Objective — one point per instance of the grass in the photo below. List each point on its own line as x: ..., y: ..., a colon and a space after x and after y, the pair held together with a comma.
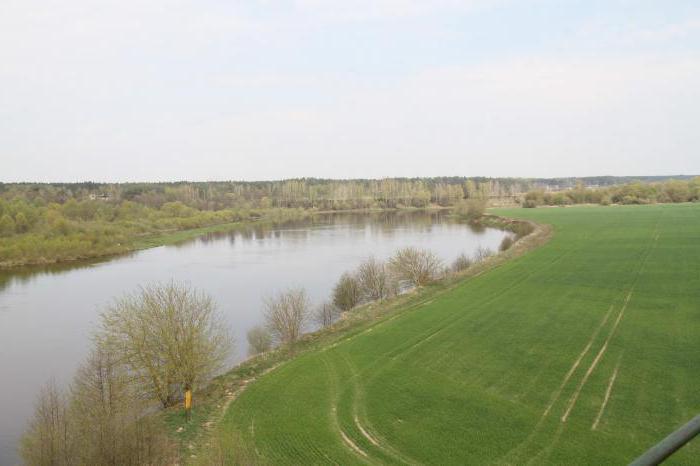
x: 601, y: 323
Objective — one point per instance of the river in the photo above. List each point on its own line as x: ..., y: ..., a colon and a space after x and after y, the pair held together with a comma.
x: 47, y: 314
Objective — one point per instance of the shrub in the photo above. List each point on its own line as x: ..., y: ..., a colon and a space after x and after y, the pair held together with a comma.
x: 347, y: 292
x: 259, y: 340
x: 462, y: 262
x: 506, y: 243
x: 482, y: 253
x: 326, y: 313
x: 416, y: 267
x: 286, y: 315
x: 471, y: 209
x: 374, y: 280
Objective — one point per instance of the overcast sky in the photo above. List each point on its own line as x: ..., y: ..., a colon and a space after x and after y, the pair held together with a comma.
x: 125, y: 90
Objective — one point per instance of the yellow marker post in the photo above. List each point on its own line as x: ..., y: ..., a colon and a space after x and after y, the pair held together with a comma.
x: 188, y: 402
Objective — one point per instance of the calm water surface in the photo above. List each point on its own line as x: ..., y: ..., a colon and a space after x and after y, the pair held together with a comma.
x: 46, y: 316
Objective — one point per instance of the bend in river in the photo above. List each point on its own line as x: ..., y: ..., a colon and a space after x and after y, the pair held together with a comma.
x: 46, y: 315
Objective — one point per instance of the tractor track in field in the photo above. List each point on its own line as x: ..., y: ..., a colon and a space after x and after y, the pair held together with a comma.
x: 653, y: 240
x: 370, y: 434
x: 599, y: 356
x: 345, y: 439
x: 608, y: 391
x: 576, y: 363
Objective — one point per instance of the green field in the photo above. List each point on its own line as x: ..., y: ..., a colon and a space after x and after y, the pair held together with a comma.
x: 584, y: 351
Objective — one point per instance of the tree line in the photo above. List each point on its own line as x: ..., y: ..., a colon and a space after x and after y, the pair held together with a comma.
x: 671, y: 191
x: 46, y: 223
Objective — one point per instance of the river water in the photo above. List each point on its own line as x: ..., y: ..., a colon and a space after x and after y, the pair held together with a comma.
x: 47, y: 314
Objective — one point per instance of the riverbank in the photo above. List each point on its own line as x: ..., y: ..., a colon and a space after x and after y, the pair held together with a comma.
x: 87, y: 250
x: 211, y: 402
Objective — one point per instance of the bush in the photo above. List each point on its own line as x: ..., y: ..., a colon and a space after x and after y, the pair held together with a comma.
x: 416, y: 267
x: 482, y: 254
x: 347, y: 292
x: 259, y: 340
x: 326, y: 313
x: 462, y: 262
x: 506, y: 243
x: 471, y: 209
x: 287, y: 314
x: 374, y: 280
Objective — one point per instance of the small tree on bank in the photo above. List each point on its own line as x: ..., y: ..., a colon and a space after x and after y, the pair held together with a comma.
x: 347, y: 293
x: 462, y: 262
x: 374, y: 280
x: 471, y: 209
x: 416, y: 267
x: 170, y: 337
x: 326, y: 313
x: 286, y: 314
x: 49, y: 438
x: 259, y: 340
x: 100, y: 420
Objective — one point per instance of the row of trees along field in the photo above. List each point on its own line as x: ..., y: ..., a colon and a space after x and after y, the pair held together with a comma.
x: 670, y: 191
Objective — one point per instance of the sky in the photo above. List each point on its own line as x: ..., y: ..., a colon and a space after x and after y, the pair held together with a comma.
x: 161, y: 90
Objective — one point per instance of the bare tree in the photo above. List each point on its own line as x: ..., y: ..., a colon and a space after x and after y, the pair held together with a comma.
x: 374, y: 279
x: 326, y: 313
x: 259, y: 340
x: 415, y: 266
x: 462, y: 262
x: 99, y: 421
x: 346, y: 293
x: 169, y: 336
x: 48, y: 439
x: 109, y: 423
x: 286, y: 315
x: 482, y: 253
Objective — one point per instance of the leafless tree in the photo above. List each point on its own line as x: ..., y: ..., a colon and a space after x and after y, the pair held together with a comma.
x: 169, y: 336
x: 259, y: 340
x: 286, y: 314
x: 416, y: 267
x: 326, y: 313
x: 374, y: 279
x: 482, y: 253
x: 462, y: 262
x: 48, y: 439
x: 347, y: 293
x: 108, y: 417
x: 100, y: 421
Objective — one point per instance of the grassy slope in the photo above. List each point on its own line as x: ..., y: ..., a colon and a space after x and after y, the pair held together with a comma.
x: 467, y: 377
